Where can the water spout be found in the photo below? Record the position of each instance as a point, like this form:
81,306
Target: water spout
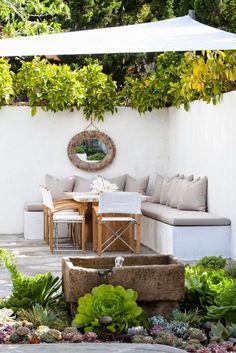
119,261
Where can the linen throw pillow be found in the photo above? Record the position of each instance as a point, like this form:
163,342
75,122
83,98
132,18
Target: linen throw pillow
119,181
172,188
136,185
82,185
180,183
58,187
157,189
165,188
193,195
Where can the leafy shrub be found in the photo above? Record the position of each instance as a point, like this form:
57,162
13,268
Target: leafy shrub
27,291
213,262
203,285
107,300
224,306
53,87
6,83
180,79
99,91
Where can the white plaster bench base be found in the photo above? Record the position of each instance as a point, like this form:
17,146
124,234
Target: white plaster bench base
186,242
33,225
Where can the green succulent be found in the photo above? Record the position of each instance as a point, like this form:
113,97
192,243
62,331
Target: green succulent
107,300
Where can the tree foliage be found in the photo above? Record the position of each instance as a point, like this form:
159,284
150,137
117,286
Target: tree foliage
58,87
29,17
180,79
6,82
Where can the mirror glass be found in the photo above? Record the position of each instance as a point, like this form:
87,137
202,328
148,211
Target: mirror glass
91,150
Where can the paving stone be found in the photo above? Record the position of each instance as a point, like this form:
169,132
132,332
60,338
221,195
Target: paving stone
89,348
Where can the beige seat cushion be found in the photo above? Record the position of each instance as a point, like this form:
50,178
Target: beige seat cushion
82,185
34,206
58,187
156,196
177,217
193,195
136,185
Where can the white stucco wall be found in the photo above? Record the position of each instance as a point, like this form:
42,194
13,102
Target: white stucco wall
31,147
203,142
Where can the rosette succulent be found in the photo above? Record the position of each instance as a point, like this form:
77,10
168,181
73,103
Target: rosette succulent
107,300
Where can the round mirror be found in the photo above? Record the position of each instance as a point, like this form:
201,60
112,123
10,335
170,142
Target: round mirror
91,150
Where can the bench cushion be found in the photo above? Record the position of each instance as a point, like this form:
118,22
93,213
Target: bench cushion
177,217
34,206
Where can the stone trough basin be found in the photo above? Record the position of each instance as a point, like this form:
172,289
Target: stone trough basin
158,279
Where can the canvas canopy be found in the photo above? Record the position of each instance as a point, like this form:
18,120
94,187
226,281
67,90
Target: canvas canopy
178,34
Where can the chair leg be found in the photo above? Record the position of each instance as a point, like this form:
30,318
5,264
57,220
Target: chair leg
46,226
83,234
99,240
51,239
138,240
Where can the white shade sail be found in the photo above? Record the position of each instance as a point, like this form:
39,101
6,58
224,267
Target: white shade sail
177,34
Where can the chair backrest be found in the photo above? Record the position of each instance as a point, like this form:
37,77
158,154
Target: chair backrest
120,202
47,197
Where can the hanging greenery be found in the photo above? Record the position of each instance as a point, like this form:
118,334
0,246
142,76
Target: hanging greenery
178,78
6,83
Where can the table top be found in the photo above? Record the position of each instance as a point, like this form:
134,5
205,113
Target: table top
92,197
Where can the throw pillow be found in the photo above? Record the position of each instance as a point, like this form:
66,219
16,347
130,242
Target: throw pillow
193,195
82,185
157,189
58,187
181,182
172,188
136,185
165,188
119,181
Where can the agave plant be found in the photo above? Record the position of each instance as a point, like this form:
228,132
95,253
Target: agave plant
107,300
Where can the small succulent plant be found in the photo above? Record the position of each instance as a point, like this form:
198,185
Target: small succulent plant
138,330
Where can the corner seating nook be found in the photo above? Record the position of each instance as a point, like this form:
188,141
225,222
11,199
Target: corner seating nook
186,234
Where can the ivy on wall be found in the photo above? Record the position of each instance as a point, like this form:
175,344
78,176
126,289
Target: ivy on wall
178,78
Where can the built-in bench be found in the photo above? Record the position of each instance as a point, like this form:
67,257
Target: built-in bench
33,220
188,235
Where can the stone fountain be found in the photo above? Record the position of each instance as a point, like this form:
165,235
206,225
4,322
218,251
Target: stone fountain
158,279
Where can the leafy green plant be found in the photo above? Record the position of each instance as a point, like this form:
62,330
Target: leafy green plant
224,306
53,87
203,285
214,262
99,92
38,315
27,291
107,300
6,83
28,17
